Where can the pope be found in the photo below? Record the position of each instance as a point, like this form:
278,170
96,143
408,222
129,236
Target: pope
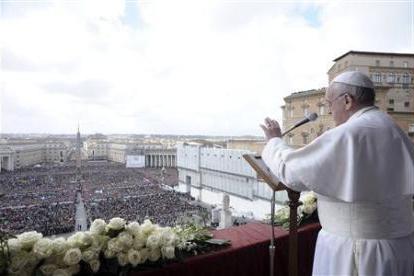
363,174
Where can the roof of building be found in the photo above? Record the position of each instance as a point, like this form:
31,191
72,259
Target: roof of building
374,54
305,93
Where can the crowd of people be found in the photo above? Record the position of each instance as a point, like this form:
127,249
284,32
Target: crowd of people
44,198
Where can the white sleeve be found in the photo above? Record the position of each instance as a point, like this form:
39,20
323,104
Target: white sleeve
273,155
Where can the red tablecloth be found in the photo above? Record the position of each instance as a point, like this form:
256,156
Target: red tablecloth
247,255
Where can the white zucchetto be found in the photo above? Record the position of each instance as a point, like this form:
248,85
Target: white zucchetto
354,78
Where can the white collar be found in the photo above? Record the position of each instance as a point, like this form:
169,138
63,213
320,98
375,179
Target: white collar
362,111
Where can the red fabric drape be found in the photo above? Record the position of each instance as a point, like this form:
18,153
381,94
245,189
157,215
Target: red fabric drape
247,255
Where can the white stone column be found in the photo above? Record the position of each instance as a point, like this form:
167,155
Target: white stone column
225,220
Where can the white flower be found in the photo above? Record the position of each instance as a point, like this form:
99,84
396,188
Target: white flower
19,261
109,253
43,248
61,272
144,252
72,256
134,257
168,237
309,203
147,227
133,228
122,259
116,224
100,241
59,246
48,269
28,239
154,254
309,209
14,246
80,240
282,214
115,245
98,226
95,265
125,239
153,241
168,252
308,198
139,241
90,254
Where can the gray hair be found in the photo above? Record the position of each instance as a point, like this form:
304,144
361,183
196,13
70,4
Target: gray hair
362,95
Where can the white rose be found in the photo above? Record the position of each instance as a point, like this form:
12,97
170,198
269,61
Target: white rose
89,255
145,252
28,239
14,246
139,241
19,261
147,227
168,237
122,259
43,248
133,228
100,241
125,239
48,269
153,241
308,198
309,208
59,246
154,254
72,256
115,245
95,265
116,224
98,226
61,272
168,252
80,239
134,257
109,253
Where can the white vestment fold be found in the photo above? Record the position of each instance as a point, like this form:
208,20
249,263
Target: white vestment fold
363,174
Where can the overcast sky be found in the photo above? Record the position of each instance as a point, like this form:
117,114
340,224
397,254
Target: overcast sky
175,66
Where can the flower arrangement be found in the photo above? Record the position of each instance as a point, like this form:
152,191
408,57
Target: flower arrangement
307,211
112,248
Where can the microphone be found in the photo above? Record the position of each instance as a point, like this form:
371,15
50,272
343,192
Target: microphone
308,118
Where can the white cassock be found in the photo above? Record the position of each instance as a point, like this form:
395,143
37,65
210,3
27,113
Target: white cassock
363,174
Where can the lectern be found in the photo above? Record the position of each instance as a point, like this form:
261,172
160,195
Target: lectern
264,173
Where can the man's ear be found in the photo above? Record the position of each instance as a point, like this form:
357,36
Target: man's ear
348,102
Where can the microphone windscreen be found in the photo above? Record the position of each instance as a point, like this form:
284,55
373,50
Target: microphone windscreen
312,116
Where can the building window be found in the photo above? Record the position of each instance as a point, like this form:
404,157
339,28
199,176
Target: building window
322,110
377,63
306,111
406,104
291,112
390,78
391,63
405,64
406,78
391,101
376,77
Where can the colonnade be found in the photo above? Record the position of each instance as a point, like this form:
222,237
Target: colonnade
160,160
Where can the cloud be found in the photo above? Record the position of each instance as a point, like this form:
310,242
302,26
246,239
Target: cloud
183,67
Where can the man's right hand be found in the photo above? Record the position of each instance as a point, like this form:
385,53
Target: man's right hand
271,129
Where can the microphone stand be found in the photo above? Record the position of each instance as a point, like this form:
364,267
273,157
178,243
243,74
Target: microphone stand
272,240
